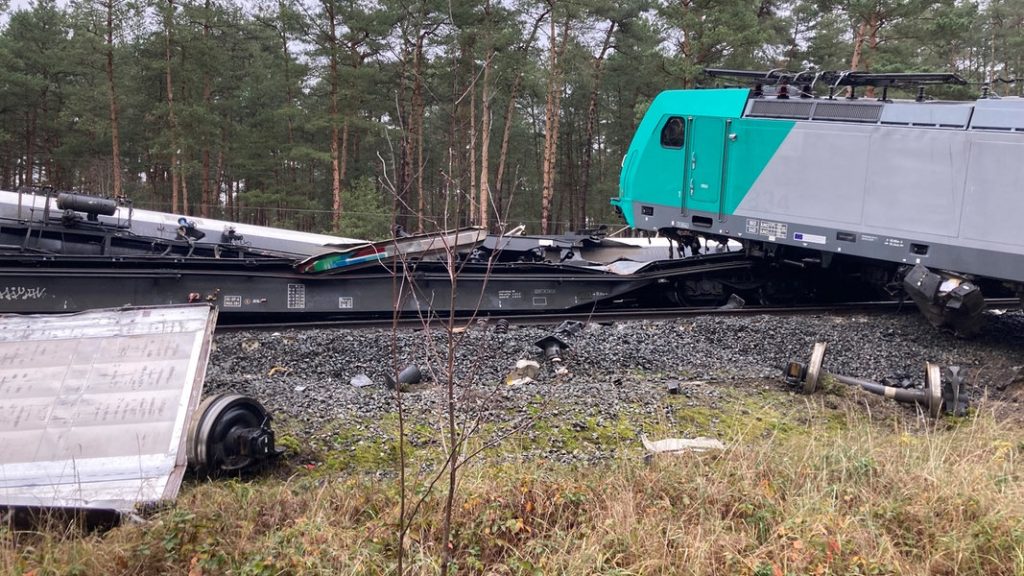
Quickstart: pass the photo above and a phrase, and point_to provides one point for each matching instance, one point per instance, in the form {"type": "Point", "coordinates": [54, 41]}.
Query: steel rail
{"type": "Point", "coordinates": [463, 322]}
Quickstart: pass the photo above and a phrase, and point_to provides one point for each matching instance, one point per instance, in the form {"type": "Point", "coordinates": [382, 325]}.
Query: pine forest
{"type": "Point", "coordinates": [351, 116]}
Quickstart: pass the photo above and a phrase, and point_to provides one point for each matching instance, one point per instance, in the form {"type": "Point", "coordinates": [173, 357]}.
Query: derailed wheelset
{"type": "Point", "coordinates": [228, 433]}
{"type": "Point", "coordinates": [934, 397]}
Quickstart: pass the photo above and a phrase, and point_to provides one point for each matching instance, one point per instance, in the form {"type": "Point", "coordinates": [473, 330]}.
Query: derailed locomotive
{"type": "Point", "coordinates": [921, 192]}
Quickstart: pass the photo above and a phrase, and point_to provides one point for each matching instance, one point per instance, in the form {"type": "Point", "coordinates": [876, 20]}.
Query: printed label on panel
{"type": "Point", "coordinates": [812, 238]}
{"type": "Point", "coordinates": [773, 229]}
{"type": "Point", "coordinates": [296, 296]}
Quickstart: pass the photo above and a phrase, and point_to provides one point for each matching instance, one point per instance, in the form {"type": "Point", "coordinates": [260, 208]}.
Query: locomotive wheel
{"type": "Point", "coordinates": [213, 435]}
{"type": "Point", "coordinates": [933, 387]}
{"type": "Point", "coordinates": [698, 293]}
{"type": "Point", "coordinates": [814, 368]}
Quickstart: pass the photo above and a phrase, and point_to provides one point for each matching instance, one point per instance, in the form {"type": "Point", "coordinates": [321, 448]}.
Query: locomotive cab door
{"type": "Point", "coordinates": [704, 172]}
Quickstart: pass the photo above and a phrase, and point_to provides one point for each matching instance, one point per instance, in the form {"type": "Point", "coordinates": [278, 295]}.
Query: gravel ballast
{"type": "Point", "coordinates": [626, 367]}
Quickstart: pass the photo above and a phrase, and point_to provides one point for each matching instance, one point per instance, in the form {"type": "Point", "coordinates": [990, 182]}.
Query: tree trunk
{"type": "Point", "coordinates": [566, 205]}
{"type": "Point", "coordinates": [30, 145]}
{"type": "Point", "coordinates": [873, 25]}
{"type": "Point", "coordinates": [220, 173]}
{"type": "Point", "coordinates": [506, 135]}
{"type": "Point", "coordinates": [588, 145]}
{"type": "Point", "coordinates": [173, 124]}
{"type": "Point", "coordinates": [858, 45]}
{"type": "Point", "coordinates": [473, 219]}
{"type": "Point", "coordinates": [403, 172]}
{"type": "Point", "coordinates": [335, 152]}
{"type": "Point", "coordinates": [416, 124]}
{"type": "Point", "coordinates": [184, 191]}
{"type": "Point", "coordinates": [485, 142]}
{"type": "Point", "coordinates": [344, 149]}
{"type": "Point", "coordinates": [289, 95]}
{"type": "Point", "coordinates": [6, 177]}
{"type": "Point", "coordinates": [499, 177]}
{"type": "Point", "coordinates": [43, 152]}
{"type": "Point", "coordinates": [549, 123]}
{"type": "Point", "coordinates": [207, 185]}
{"type": "Point", "coordinates": [204, 197]}
{"type": "Point", "coordinates": [454, 143]}
{"type": "Point", "coordinates": [115, 137]}
{"type": "Point", "coordinates": [551, 119]}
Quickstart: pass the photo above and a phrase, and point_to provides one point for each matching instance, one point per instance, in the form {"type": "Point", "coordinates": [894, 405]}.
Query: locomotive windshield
{"type": "Point", "coordinates": [673, 134]}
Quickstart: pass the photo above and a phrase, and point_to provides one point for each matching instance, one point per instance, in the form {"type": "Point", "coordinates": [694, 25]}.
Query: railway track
{"type": "Point", "coordinates": [601, 315]}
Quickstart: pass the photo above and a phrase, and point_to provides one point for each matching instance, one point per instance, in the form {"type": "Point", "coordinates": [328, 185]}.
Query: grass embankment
{"type": "Point", "coordinates": [835, 493]}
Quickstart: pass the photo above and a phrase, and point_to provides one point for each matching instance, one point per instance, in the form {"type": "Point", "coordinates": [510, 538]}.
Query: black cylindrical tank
{"type": "Point", "coordinates": [87, 204]}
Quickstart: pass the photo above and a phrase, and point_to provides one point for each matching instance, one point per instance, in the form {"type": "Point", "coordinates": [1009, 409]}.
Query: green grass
{"type": "Point", "coordinates": [800, 489]}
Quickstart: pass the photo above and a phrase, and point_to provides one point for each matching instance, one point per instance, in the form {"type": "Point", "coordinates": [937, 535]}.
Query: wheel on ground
{"type": "Point", "coordinates": [814, 368]}
{"type": "Point", "coordinates": [933, 387]}
{"type": "Point", "coordinates": [223, 431]}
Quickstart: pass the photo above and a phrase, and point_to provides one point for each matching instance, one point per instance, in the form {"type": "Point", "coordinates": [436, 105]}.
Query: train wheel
{"type": "Point", "coordinates": [698, 292]}
{"type": "Point", "coordinates": [229, 432]}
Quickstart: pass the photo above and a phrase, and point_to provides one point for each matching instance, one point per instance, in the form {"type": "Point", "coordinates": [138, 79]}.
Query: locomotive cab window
{"type": "Point", "coordinates": [673, 134]}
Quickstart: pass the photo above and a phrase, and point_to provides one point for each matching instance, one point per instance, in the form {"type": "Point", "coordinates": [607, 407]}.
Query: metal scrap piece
{"type": "Point", "coordinates": [675, 445]}
{"type": "Point", "coordinates": [93, 405]}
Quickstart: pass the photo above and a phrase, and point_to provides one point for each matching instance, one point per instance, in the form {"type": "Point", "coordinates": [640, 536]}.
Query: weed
{"type": "Point", "coordinates": [795, 492]}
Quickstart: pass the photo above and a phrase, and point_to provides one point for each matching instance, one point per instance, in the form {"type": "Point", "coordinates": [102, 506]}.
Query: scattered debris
{"type": "Point", "coordinates": [684, 388]}
{"type": "Point", "coordinates": [933, 396]}
{"type": "Point", "coordinates": [946, 300]}
{"type": "Point", "coordinates": [680, 445]}
{"type": "Point", "coordinates": [552, 346]}
{"type": "Point", "coordinates": [409, 376]}
{"type": "Point", "coordinates": [278, 370]}
{"type": "Point", "coordinates": [250, 345]}
{"type": "Point", "coordinates": [569, 327]}
{"type": "Point", "coordinates": [403, 245]}
{"type": "Point", "coordinates": [954, 392]}
{"type": "Point", "coordinates": [524, 370]}
{"type": "Point", "coordinates": [735, 302]}
{"type": "Point", "coordinates": [361, 381]}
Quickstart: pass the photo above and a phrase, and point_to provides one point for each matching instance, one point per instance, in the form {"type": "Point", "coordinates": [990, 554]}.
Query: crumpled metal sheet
{"type": "Point", "coordinates": [680, 445]}
{"type": "Point", "coordinates": [93, 406]}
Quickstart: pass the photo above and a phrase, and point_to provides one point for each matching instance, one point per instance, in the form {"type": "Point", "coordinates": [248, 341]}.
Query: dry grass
{"type": "Point", "coordinates": [863, 498]}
